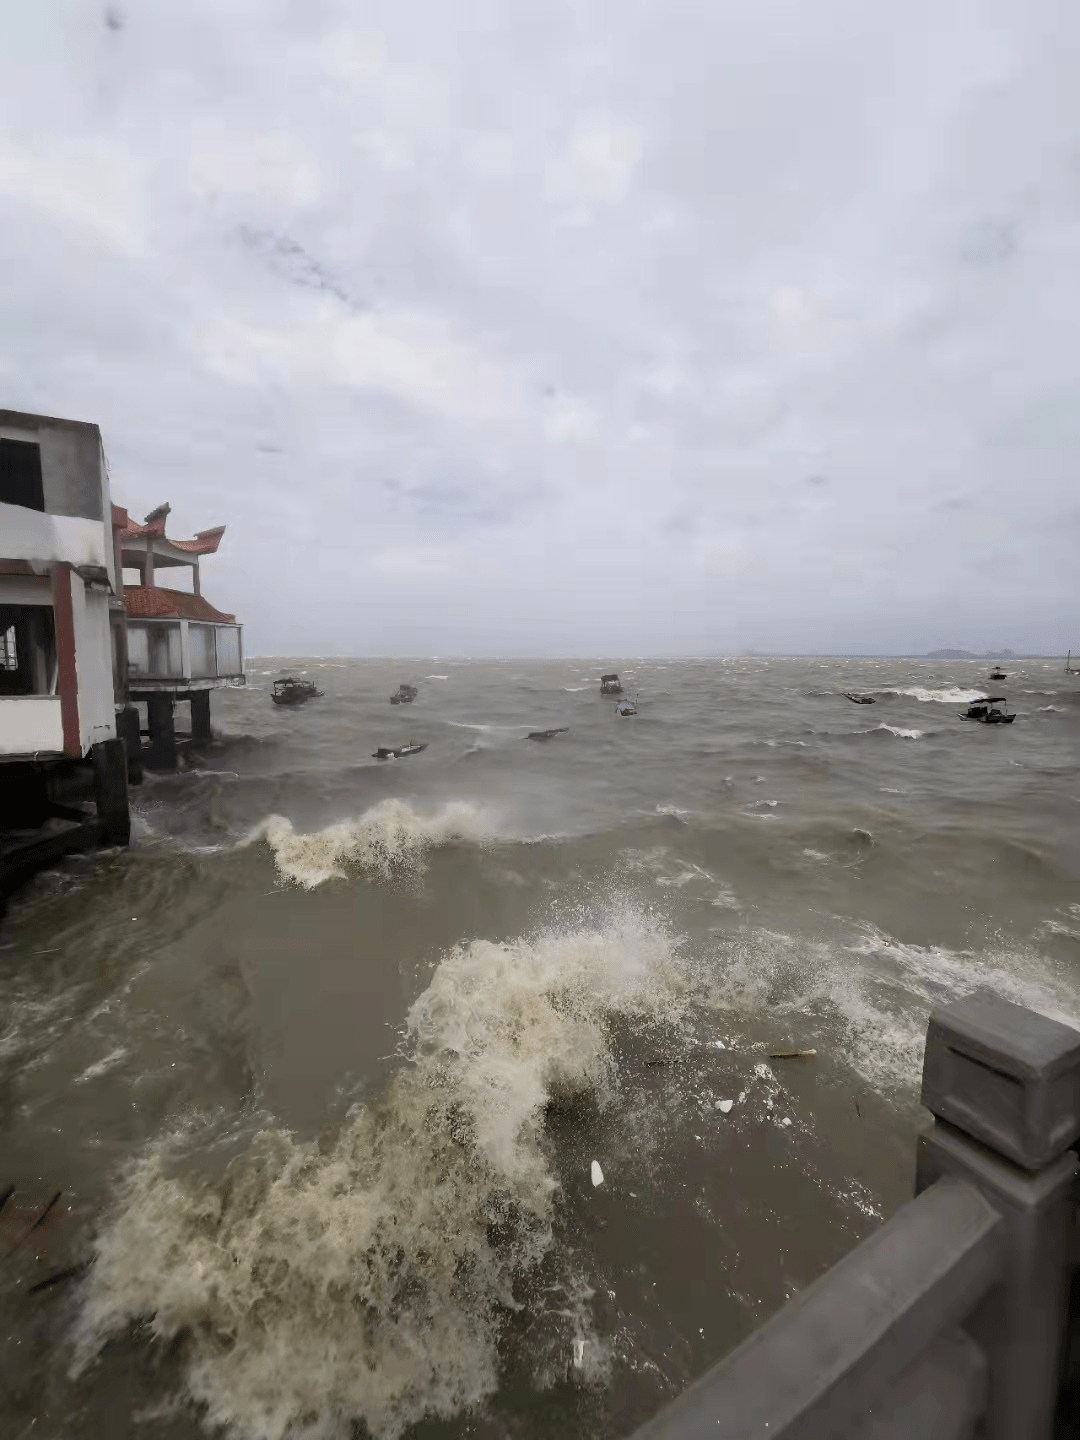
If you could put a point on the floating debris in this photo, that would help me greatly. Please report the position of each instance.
(396, 752)
(724, 1106)
(597, 1173)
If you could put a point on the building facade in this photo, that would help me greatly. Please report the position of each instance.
(59, 590)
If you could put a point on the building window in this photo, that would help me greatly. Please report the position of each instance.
(9, 656)
(27, 650)
(20, 474)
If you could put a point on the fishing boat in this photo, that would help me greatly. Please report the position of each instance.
(626, 707)
(397, 752)
(546, 734)
(289, 691)
(406, 694)
(997, 673)
(985, 711)
(609, 685)
(860, 699)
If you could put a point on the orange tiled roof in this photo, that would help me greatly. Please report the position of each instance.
(153, 527)
(205, 542)
(155, 602)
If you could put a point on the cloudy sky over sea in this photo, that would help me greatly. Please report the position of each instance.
(516, 327)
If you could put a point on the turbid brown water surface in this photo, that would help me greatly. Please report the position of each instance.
(322, 1064)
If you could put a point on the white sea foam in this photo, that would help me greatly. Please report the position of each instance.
(102, 1066)
(949, 695)
(899, 731)
(436, 677)
(467, 725)
(367, 1278)
(390, 835)
(873, 995)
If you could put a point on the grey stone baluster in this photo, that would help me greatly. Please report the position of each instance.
(1004, 1086)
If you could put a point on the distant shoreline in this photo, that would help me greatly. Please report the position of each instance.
(615, 659)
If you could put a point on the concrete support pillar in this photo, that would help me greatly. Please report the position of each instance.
(110, 790)
(162, 751)
(128, 730)
(1004, 1085)
(200, 715)
(196, 584)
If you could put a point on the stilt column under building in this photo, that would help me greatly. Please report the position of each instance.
(200, 715)
(128, 730)
(159, 718)
(110, 790)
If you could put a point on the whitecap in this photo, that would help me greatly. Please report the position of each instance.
(897, 730)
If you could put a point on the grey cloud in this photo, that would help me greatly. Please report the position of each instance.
(532, 294)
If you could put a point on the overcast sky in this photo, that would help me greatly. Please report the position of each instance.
(526, 326)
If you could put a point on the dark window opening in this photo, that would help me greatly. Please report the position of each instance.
(27, 650)
(20, 474)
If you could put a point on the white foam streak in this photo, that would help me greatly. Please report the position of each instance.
(899, 732)
(948, 695)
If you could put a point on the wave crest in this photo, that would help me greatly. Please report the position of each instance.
(390, 835)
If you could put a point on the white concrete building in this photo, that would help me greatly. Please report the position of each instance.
(60, 593)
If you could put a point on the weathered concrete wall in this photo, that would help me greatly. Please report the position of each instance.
(23, 589)
(93, 664)
(72, 464)
(46, 539)
(31, 724)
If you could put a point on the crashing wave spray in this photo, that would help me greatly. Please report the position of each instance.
(369, 1277)
(390, 834)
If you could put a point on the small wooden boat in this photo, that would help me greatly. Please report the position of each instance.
(987, 713)
(626, 707)
(397, 752)
(288, 691)
(546, 734)
(860, 699)
(406, 694)
(609, 685)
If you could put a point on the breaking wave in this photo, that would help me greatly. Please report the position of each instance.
(950, 695)
(391, 835)
(372, 1277)
(899, 731)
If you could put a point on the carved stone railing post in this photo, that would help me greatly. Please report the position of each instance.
(1004, 1086)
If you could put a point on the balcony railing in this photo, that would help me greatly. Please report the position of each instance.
(952, 1321)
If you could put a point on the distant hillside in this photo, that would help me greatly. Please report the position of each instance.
(970, 655)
